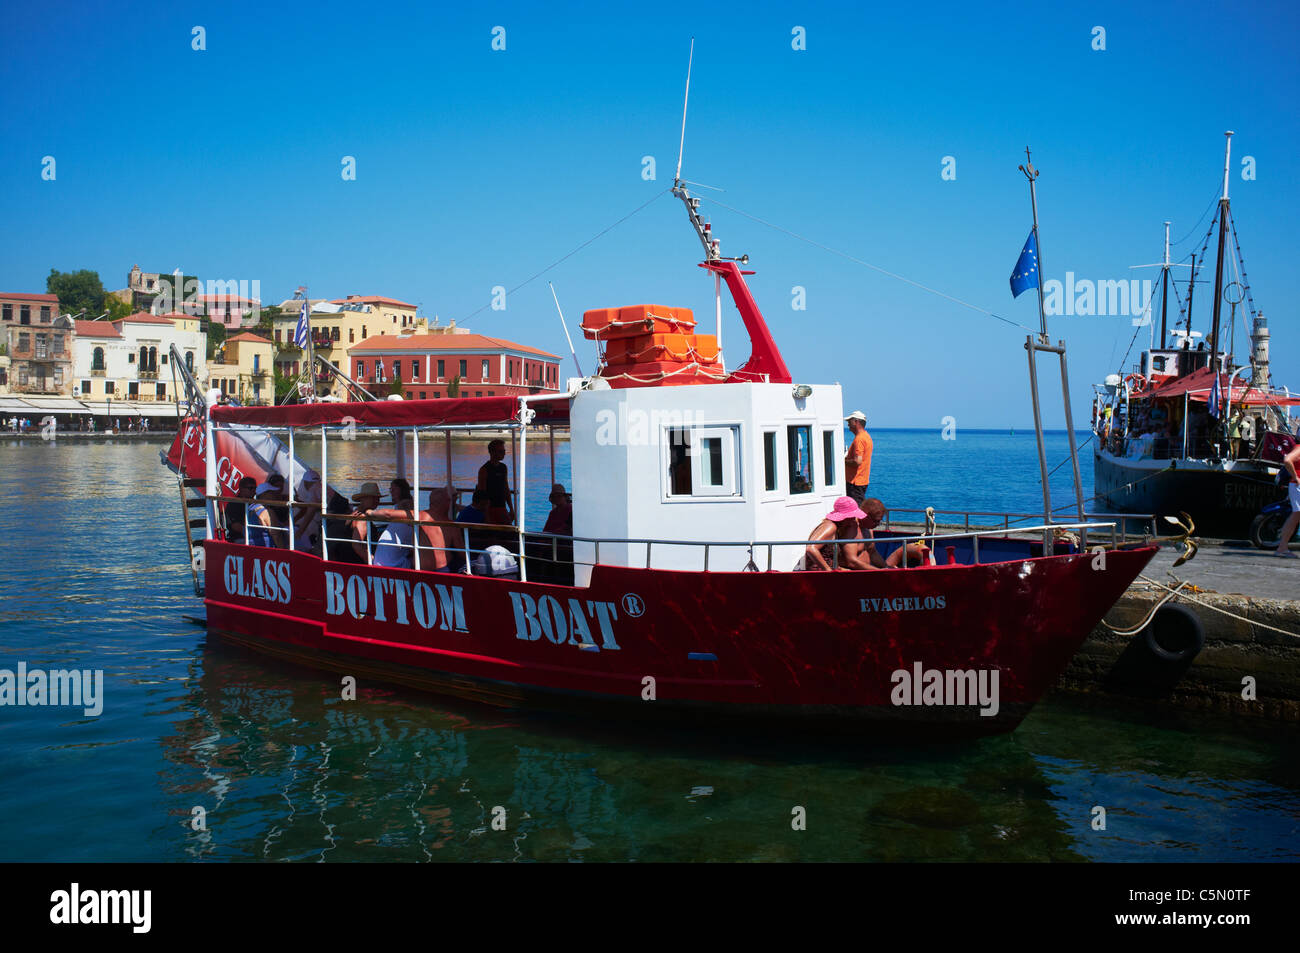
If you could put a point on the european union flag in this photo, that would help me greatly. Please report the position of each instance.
(1025, 275)
(303, 329)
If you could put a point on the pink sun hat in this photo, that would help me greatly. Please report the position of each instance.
(845, 509)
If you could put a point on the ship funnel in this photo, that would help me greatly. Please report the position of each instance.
(1111, 383)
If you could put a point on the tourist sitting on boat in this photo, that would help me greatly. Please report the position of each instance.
(399, 491)
(445, 551)
(236, 513)
(261, 527)
(841, 523)
(338, 544)
(396, 549)
(476, 511)
(366, 498)
(306, 518)
(551, 560)
(494, 477)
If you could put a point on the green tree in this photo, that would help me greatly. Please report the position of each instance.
(395, 387)
(216, 335)
(266, 321)
(116, 308)
(453, 387)
(284, 385)
(77, 290)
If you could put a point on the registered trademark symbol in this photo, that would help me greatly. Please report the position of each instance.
(633, 606)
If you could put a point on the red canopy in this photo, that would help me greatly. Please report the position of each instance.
(444, 412)
(1198, 384)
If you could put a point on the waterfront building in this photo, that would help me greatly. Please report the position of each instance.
(229, 310)
(128, 359)
(453, 363)
(28, 309)
(242, 370)
(40, 356)
(339, 324)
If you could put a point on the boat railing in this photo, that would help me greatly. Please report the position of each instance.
(536, 547)
(1141, 524)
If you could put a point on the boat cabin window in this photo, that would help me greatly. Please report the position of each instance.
(769, 460)
(798, 440)
(828, 458)
(702, 461)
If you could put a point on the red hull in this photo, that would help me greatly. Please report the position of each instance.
(789, 645)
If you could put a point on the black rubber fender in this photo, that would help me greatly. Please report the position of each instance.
(1175, 634)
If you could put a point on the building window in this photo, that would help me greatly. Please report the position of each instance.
(189, 361)
(133, 389)
(363, 332)
(45, 314)
(162, 390)
(97, 359)
(257, 363)
(277, 336)
(422, 395)
(478, 393)
(464, 373)
(769, 460)
(24, 314)
(24, 342)
(485, 370)
(799, 457)
(442, 370)
(8, 312)
(85, 388)
(828, 458)
(437, 394)
(352, 335)
(361, 369)
(334, 333)
(109, 388)
(130, 357)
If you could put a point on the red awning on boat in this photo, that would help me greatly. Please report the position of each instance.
(444, 412)
(1198, 384)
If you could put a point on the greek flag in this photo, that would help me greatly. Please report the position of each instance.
(1216, 397)
(304, 326)
(1025, 275)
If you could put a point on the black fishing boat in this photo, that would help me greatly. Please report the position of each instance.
(1191, 430)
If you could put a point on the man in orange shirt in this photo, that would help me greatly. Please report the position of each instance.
(857, 459)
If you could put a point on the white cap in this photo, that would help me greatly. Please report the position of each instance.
(857, 415)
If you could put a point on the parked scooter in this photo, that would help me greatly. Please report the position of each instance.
(1267, 526)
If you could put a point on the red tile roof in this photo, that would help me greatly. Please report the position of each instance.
(249, 336)
(97, 329)
(385, 343)
(31, 297)
(372, 299)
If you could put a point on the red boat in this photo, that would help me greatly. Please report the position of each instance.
(676, 594)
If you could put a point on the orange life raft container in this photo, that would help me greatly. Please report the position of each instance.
(687, 348)
(604, 324)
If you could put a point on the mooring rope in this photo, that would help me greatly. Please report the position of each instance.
(1175, 592)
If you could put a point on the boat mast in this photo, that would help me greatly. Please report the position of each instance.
(1191, 290)
(1164, 291)
(1218, 269)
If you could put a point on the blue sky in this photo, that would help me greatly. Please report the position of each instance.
(477, 168)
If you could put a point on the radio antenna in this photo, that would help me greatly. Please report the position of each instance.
(566, 330)
(685, 99)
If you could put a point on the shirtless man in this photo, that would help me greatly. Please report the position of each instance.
(439, 545)
(841, 523)
(1291, 463)
(873, 515)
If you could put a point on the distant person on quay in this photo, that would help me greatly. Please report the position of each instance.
(1290, 462)
(857, 459)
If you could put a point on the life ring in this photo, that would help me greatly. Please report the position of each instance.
(1175, 634)
(1141, 382)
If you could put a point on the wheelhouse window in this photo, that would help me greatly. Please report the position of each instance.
(828, 458)
(799, 457)
(769, 460)
(702, 461)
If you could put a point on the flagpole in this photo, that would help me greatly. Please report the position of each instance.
(311, 352)
(1031, 174)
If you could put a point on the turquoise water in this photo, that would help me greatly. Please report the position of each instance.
(93, 574)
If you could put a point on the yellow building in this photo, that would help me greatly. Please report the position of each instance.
(244, 369)
(337, 325)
